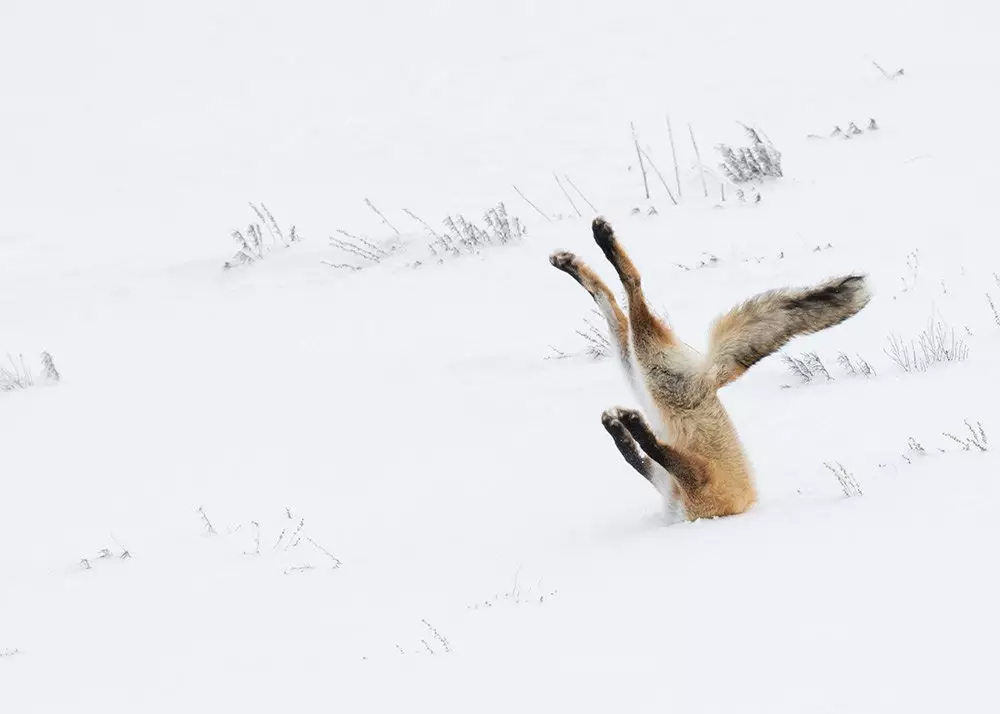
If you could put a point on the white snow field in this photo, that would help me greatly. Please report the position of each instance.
(379, 490)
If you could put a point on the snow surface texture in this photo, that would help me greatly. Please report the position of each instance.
(370, 490)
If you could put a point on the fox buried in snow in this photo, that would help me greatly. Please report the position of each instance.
(703, 467)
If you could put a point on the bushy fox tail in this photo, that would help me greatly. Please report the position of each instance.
(766, 322)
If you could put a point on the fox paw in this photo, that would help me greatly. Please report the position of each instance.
(619, 415)
(604, 235)
(613, 425)
(631, 419)
(609, 417)
(565, 261)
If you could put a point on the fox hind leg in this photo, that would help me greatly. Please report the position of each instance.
(670, 369)
(634, 456)
(689, 470)
(618, 326)
(649, 334)
(627, 445)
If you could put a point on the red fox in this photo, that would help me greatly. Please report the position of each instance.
(694, 456)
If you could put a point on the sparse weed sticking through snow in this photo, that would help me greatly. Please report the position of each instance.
(916, 447)
(460, 237)
(441, 639)
(334, 559)
(252, 245)
(807, 367)
(9, 652)
(912, 270)
(845, 478)
(993, 308)
(49, 370)
(517, 595)
(937, 343)
(463, 236)
(853, 130)
(756, 162)
(16, 374)
(596, 343)
(861, 368)
(106, 554)
(285, 542)
(598, 346)
(209, 528)
(256, 539)
(898, 73)
(977, 438)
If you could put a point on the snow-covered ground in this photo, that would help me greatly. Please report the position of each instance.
(389, 489)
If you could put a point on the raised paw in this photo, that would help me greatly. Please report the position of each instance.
(610, 420)
(566, 262)
(637, 426)
(615, 428)
(632, 420)
(604, 236)
(614, 417)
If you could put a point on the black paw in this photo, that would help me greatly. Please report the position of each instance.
(632, 420)
(604, 236)
(614, 427)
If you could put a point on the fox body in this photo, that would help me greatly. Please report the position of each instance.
(692, 453)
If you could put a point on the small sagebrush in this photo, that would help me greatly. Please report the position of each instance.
(49, 370)
(598, 346)
(848, 484)
(756, 162)
(595, 340)
(993, 309)
(252, 244)
(361, 248)
(460, 236)
(16, 374)
(976, 440)
(807, 367)
(935, 343)
(853, 369)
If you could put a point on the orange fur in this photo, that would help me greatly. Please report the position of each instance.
(709, 471)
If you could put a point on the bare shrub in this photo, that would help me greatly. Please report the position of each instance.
(977, 438)
(362, 248)
(935, 343)
(106, 554)
(750, 163)
(598, 346)
(460, 237)
(807, 367)
(993, 308)
(49, 370)
(16, 374)
(596, 343)
(464, 236)
(209, 528)
(861, 367)
(848, 484)
(283, 539)
(252, 244)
